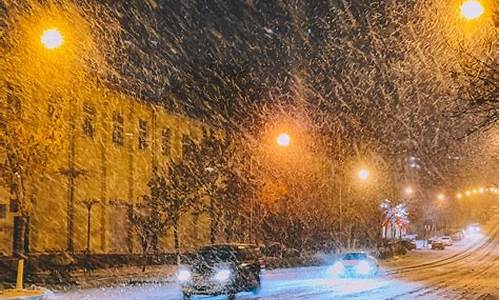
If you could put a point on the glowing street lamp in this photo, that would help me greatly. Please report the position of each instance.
(467, 193)
(440, 197)
(471, 9)
(459, 196)
(283, 140)
(408, 190)
(363, 174)
(52, 39)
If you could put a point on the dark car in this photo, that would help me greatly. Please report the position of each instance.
(437, 245)
(224, 269)
(409, 245)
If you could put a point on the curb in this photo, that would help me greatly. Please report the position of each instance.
(25, 294)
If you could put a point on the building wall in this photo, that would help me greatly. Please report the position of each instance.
(110, 177)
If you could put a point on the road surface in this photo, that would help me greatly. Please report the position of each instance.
(466, 270)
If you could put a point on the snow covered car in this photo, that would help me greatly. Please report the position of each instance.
(355, 264)
(223, 269)
(437, 245)
(446, 240)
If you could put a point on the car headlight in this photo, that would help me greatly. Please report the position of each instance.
(222, 275)
(337, 268)
(363, 268)
(183, 275)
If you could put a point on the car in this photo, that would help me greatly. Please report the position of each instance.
(446, 240)
(222, 269)
(355, 264)
(437, 245)
(473, 228)
(409, 245)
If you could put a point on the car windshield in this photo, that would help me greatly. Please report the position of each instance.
(216, 255)
(355, 256)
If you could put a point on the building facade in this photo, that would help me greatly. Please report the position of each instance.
(85, 198)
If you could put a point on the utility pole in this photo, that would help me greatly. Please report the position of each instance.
(88, 204)
(72, 173)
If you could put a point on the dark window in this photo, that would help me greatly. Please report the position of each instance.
(88, 120)
(3, 211)
(14, 206)
(118, 128)
(51, 110)
(143, 134)
(165, 141)
(13, 100)
(188, 148)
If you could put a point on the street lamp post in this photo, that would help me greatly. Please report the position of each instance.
(211, 207)
(88, 204)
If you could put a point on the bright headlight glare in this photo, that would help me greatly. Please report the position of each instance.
(183, 275)
(337, 268)
(363, 268)
(222, 275)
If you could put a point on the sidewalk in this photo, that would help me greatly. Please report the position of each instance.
(122, 275)
(25, 294)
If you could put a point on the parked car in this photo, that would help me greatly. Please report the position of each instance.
(446, 240)
(457, 236)
(409, 245)
(223, 269)
(437, 245)
(355, 264)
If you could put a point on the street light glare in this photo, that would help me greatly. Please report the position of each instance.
(472, 9)
(52, 39)
(283, 140)
(363, 174)
(409, 190)
(459, 195)
(440, 197)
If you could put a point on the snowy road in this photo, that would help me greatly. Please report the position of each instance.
(466, 270)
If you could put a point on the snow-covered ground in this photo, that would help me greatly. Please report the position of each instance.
(466, 270)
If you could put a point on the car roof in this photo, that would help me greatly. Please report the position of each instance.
(228, 246)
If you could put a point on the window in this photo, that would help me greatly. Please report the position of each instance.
(188, 148)
(143, 134)
(3, 211)
(117, 128)
(165, 141)
(88, 120)
(13, 101)
(14, 206)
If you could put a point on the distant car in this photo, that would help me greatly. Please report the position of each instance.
(224, 269)
(355, 264)
(473, 228)
(437, 245)
(409, 245)
(446, 240)
(457, 236)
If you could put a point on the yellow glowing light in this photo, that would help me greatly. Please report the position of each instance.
(409, 190)
(52, 39)
(440, 197)
(283, 140)
(467, 193)
(363, 174)
(481, 190)
(471, 9)
(474, 192)
(459, 195)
